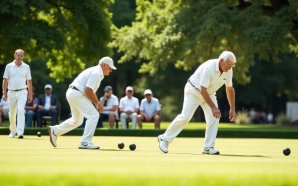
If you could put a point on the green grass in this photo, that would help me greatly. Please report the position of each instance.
(202, 125)
(244, 162)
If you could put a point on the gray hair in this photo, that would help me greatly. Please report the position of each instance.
(227, 55)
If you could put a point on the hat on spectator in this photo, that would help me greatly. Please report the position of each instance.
(109, 61)
(147, 91)
(48, 86)
(129, 88)
(108, 88)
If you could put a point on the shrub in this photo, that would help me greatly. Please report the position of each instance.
(282, 119)
(242, 117)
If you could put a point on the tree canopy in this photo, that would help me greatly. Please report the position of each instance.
(185, 33)
(67, 34)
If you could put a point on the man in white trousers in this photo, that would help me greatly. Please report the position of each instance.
(200, 90)
(17, 79)
(83, 102)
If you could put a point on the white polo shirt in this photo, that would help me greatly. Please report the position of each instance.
(208, 75)
(129, 104)
(17, 75)
(47, 104)
(150, 108)
(113, 100)
(90, 77)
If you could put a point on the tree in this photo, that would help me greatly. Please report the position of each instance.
(185, 33)
(68, 35)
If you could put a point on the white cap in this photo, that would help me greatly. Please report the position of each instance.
(48, 86)
(147, 91)
(128, 88)
(109, 61)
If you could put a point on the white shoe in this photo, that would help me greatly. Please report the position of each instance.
(163, 144)
(53, 137)
(12, 135)
(88, 146)
(211, 151)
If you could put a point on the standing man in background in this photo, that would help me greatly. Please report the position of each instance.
(200, 90)
(83, 102)
(16, 81)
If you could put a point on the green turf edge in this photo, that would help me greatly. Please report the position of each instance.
(118, 180)
(222, 133)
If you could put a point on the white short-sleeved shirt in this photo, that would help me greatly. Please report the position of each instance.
(129, 104)
(113, 100)
(150, 108)
(17, 75)
(91, 77)
(208, 75)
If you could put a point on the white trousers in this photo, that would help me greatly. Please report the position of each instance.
(80, 107)
(133, 117)
(17, 101)
(193, 99)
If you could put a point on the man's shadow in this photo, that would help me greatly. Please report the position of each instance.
(232, 155)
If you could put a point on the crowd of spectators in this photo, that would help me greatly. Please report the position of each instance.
(128, 110)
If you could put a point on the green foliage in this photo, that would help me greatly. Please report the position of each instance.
(185, 33)
(68, 35)
(271, 84)
(282, 119)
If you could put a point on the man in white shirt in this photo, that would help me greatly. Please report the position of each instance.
(129, 108)
(83, 102)
(17, 79)
(110, 107)
(149, 110)
(200, 90)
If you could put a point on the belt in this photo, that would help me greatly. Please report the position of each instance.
(18, 89)
(193, 85)
(73, 87)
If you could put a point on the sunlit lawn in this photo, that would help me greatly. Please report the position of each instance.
(33, 161)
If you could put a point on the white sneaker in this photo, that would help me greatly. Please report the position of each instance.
(88, 146)
(163, 144)
(12, 135)
(211, 151)
(53, 137)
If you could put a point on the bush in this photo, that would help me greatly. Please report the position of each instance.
(242, 117)
(282, 119)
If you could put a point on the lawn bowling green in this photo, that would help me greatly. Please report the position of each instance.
(33, 161)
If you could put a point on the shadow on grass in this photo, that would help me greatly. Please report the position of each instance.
(232, 155)
(243, 155)
(64, 148)
(113, 150)
(31, 138)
